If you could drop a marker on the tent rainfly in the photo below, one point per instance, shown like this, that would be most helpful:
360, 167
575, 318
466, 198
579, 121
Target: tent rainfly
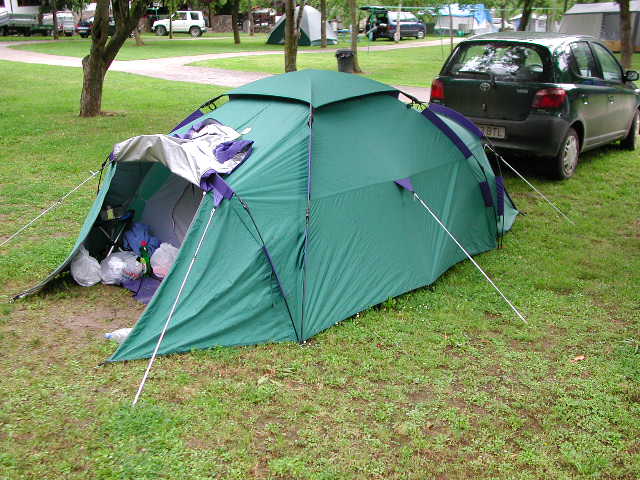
309, 29
601, 20
322, 221
473, 19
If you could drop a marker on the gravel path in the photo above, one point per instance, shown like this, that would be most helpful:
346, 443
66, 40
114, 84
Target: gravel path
176, 68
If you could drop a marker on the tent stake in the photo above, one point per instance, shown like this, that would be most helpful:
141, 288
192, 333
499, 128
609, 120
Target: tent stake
173, 308
49, 208
531, 186
469, 257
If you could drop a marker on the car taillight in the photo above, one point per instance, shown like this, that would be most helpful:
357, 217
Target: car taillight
549, 98
437, 90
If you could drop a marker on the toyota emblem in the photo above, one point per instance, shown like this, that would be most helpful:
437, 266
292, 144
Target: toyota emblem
485, 86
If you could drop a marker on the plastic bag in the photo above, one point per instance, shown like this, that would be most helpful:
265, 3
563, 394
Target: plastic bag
120, 266
85, 269
163, 259
119, 335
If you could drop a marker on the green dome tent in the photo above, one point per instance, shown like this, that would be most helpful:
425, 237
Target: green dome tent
319, 223
309, 29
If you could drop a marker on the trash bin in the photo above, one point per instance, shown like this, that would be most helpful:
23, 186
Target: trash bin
345, 60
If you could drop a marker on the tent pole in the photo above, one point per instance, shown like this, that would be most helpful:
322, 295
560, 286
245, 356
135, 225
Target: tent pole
50, 207
306, 224
173, 309
531, 186
469, 257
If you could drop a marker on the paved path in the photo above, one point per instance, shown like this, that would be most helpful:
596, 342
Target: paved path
176, 68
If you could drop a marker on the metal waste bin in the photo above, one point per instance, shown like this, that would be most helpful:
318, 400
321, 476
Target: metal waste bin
345, 60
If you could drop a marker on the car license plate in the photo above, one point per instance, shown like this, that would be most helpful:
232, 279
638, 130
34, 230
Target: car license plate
491, 131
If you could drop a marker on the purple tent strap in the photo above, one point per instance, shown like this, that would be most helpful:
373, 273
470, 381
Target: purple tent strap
500, 191
195, 115
458, 118
195, 128
486, 194
212, 181
438, 122
227, 150
405, 183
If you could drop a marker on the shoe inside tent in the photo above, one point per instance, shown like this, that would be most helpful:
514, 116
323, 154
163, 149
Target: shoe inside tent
318, 223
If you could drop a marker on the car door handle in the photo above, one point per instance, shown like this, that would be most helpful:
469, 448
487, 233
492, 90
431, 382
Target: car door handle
611, 99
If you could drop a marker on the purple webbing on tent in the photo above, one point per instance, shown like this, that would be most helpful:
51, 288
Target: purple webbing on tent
211, 180
500, 191
197, 114
486, 194
227, 150
458, 118
195, 128
275, 272
438, 122
405, 183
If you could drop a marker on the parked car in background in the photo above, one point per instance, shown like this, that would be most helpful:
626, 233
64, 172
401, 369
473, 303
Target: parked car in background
66, 22
382, 23
544, 95
85, 27
187, 21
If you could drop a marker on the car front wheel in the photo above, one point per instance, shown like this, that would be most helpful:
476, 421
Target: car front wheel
161, 31
565, 162
630, 142
420, 34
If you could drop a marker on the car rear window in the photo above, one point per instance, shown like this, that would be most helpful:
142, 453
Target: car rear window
499, 61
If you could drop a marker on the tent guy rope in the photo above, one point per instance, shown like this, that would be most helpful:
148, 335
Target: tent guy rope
517, 312
173, 309
49, 208
500, 158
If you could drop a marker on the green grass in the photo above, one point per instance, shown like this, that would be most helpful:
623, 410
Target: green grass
163, 47
410, 66
442, 382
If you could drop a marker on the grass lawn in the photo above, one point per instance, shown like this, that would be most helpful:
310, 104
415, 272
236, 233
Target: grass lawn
443, 382
410, 66
162, 47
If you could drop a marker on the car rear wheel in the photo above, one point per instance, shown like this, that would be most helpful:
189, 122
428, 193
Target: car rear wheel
195, 31
564, 164
420, 35
161, 31
630, 142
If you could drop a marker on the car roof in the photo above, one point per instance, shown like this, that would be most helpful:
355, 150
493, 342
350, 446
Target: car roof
545, 39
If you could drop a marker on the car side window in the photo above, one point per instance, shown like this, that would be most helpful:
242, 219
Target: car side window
584, 63
194, 16
611, 70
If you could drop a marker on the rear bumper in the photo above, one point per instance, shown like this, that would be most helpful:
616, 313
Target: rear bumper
538, 135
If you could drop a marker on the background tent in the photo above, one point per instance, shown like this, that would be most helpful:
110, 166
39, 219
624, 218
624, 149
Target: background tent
537, 23
309, 29
601, 20
318, 223
473, 19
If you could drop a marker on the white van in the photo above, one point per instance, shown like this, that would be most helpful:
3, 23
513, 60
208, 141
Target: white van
183, 21
66, 22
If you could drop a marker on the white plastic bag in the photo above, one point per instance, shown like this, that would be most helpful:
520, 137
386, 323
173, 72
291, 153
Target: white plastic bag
163, 259
120, 266
85, 269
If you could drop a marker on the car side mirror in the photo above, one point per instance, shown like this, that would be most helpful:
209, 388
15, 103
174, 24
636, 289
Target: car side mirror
631, 76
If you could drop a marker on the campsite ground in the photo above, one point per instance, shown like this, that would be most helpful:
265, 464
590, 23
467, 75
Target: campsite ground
442, 382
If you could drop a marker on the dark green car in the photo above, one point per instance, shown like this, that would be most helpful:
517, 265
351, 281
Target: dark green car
546, 95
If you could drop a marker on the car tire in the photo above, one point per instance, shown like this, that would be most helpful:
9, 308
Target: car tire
161, 31
67, 34
420, 35
195, 32
564, 164
630, 142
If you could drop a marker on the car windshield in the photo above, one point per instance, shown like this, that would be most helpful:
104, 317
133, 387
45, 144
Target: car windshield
507, 62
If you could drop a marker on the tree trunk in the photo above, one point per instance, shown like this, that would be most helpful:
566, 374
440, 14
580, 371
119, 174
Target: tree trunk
251, 25
91, 98
171, 27
527, 8
354, 35
137, 36
290, 40
235, 9
54, 14
626, 43
323, 23
210, 18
